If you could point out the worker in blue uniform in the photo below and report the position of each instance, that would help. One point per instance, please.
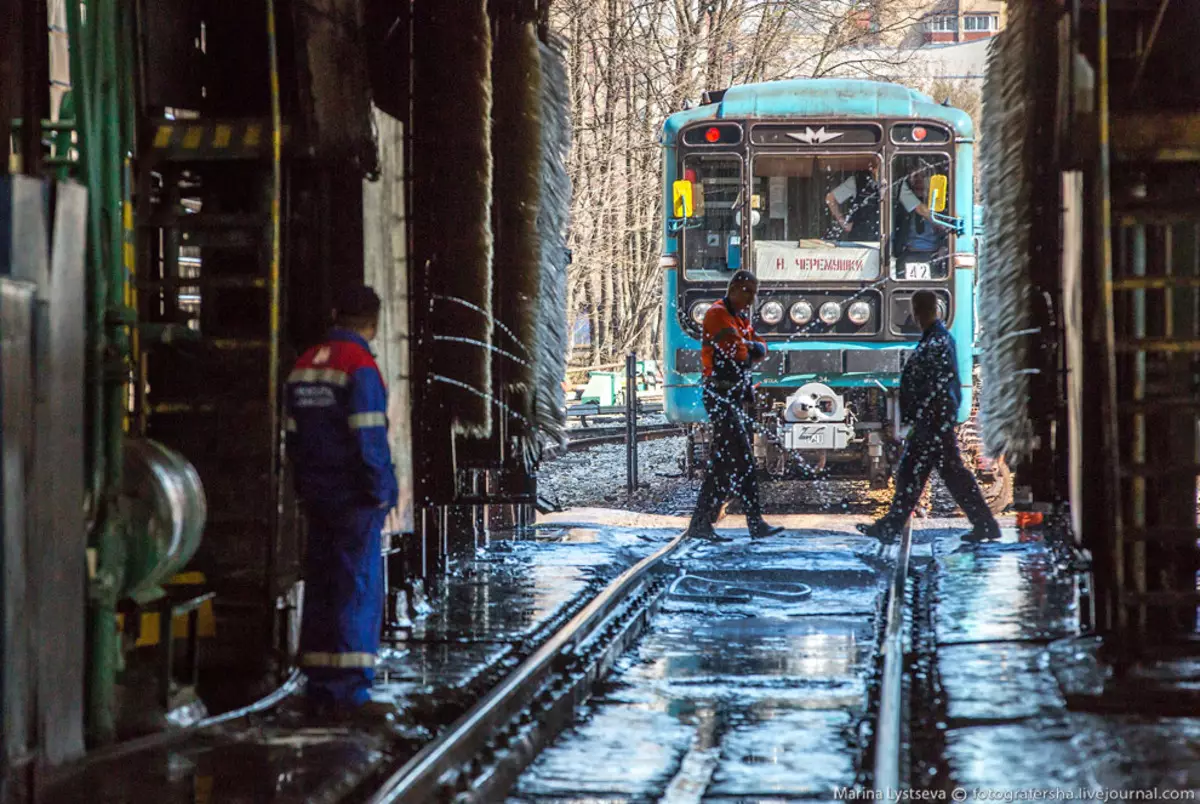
(337, 442)
(930, 395)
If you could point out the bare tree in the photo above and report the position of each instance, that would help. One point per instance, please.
(632, 63)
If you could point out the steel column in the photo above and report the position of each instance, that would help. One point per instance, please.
(631, 409)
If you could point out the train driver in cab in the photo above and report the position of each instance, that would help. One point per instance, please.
(854, 205)
(919, 238)
(730, 350)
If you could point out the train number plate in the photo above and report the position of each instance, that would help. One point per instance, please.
(810, 436)
(815, 436)
(917, 271)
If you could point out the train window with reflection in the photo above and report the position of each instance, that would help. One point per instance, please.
(712, 246)
(920, 243)
(816, 218)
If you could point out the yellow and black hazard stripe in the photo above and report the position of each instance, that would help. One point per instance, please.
(212, 139)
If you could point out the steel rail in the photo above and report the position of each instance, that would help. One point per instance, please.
(650, 432)
(888, 741)
(419, 778)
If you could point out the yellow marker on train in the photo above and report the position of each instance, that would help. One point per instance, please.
(682, 191)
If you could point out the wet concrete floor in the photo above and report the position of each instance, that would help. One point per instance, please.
(488, 612)
(1006, 622)
(755, 697)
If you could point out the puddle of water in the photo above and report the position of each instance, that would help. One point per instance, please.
(757, 698)
(512, 588)
(997, 681)
(792, 754)
(620, 751)
(691, 647)
(1004, 592)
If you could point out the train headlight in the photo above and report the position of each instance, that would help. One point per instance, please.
(699, 309)
(801, 313)
(943, 311)
(859, 313)
(831, 312)
(771, 312)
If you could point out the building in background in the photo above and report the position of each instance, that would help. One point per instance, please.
(916, 23)
(930, 45)
(952, 21)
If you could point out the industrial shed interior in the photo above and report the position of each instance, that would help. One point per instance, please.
(238, 164)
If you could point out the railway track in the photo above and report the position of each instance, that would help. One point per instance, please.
(588, 437)
(732, 611)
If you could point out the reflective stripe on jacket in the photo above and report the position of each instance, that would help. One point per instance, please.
(337, 425)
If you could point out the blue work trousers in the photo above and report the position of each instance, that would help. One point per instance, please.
(343, 603)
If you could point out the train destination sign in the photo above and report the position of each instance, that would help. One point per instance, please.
(785, 261)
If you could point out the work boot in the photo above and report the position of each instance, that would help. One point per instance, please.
(719, 513)
(879, 530)
(989, 532)
(702, 529)
(759, 529)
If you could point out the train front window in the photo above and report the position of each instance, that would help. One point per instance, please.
(920, 244)
(816, 218)
(712, 244)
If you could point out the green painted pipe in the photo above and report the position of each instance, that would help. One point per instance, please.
(102, 81)
(102, 620)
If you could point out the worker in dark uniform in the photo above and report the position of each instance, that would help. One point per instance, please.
(730, 349)
(930, 395)
(337, 441)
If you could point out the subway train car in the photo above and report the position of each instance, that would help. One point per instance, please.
(845, 197)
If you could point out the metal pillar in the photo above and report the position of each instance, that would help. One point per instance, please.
(631, 411)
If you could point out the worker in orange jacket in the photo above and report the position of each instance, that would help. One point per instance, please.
(730, 350)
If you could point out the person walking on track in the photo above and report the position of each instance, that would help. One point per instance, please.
(337, 442)
(930, 395)
(730, 350)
